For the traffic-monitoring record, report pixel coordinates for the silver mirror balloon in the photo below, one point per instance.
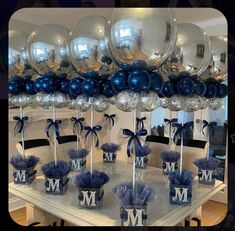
(87, 46)
(47, 49)
(141, 34)
(191, 52)
(17, 54)
(219, 55)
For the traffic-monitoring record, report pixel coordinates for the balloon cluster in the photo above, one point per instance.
(99, 62)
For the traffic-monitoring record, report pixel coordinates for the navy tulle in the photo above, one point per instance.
(170, 156)
(95, 180)
(143, 194)
(110, 147)
(184, 179)
(75, 154)
(212, 163)
(20, 162)
(60, 170)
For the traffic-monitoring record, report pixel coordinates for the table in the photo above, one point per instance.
(160, 212)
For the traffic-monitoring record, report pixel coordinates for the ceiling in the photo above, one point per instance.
(204, 17)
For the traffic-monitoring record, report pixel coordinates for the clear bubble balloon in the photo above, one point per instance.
(47, 49)
(58, 100)
(218, 66)
(215, 103)
(163, 102)
(18, 61)
(147, 34)
(176, 103)
(11, 100)
(191, 53)
(112, 100)
(87, 46)
(22, 100)
(192, 103)
(100, 103)
(72, 104)
(148, 101)
(82, 103)
(127, 100)
(205, 103)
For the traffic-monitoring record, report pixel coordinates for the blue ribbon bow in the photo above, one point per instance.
(134, 137)
(93, 131)
(77, 122)
(19, 127)
(210, 126)
(171, 122)
(140, 123)
(55, 124)
(110, 118)
(181, 128)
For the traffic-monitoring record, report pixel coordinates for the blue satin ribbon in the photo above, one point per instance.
(110, 118)
(19, 127)
(93, 131)
(134, 137)
(140, 123)
(55, 124)
(171, 122)
(210, 126)
(77, 122)
(181, 128)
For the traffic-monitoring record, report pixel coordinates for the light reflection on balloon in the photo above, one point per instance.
(141, 34)
(47, 49)
(191, 53)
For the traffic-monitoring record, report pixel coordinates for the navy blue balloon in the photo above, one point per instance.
(126, 67)
(49, 74)
(156, 82)
(119, 81)
(97, 90)
(211, 90)
(185, 86)
(90, 87)
(222, 90)
(49, 85)
(14, 87)
(15, 78)
(168, 89)
(92, 75)
(139, 81)
(106, 59)
(64, 86)
(29, 87)
(26, 78)
(75, 86)
(107, 89)
(199, 87)
(61, 76)
(184, 74)
(139, 65)
(38, 84)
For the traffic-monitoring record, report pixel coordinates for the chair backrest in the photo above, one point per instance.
(192, 150)
(157, 144)
(65, 144)
(37, 147)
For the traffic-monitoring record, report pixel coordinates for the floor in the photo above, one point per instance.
(212, 213)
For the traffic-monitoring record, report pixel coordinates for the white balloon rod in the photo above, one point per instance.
(170, 131)
(55, 141)
(182, 144)
(77, 131)
(201, 124)
(91, 161)
(208, 137)
(134, 149)
(22, 132)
